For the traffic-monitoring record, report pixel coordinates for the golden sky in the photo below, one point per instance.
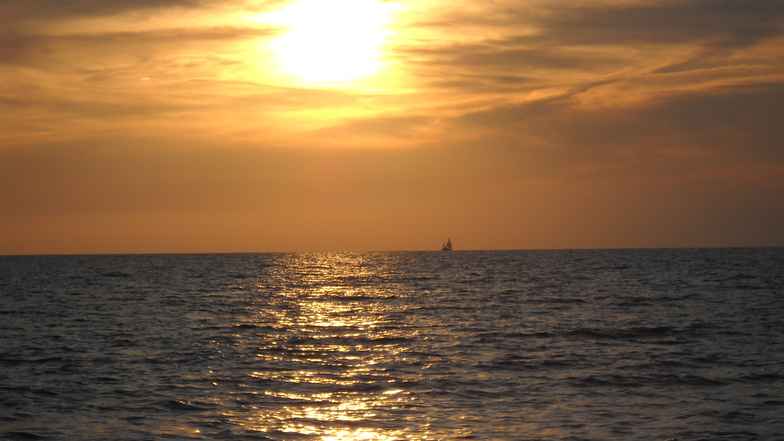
(240, 125)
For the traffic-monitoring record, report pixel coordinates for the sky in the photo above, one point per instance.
(180, 126)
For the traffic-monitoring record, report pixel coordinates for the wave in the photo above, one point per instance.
(184, 405)
(22, 435)
(634, 381)
(620, 334)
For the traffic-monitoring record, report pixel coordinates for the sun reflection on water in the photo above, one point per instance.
(322, 368)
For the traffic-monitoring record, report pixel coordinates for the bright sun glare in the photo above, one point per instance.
(330, 41)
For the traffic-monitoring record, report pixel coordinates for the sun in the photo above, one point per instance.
(330, 41)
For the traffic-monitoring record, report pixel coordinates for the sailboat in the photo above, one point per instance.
(447, 246)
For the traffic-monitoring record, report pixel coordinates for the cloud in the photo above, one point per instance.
(51, 50)
(719, 23)
(551, 43)
(743, 119)
(398, 128)
(674, 156)
(59, 10)
(105, 79)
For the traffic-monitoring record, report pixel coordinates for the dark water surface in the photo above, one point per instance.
(490, 345)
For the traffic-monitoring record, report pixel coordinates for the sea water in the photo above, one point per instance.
(481, 345)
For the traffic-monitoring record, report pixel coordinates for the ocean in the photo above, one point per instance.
(649, 344)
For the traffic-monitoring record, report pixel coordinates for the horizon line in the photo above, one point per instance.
(165, 253)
